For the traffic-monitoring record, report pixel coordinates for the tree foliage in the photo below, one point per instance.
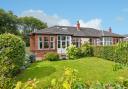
(29, 24)
(8, 22)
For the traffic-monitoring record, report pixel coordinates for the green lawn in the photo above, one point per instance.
(90, 68)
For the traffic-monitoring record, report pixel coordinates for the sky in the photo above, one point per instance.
(99, 14)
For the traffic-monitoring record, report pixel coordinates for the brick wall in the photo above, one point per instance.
(34, 45)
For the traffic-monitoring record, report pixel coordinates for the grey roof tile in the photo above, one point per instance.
(68, 30)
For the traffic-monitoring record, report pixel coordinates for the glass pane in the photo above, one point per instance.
(51, 38)
(46, 45)
(63, 44)
(51, 45)
(67, 43)
(40, 45)
(58, 44)
(63, 37)
(40, 38)
(58, 37)
(45, 38)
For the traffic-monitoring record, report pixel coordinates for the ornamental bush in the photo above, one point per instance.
(12, 54)
(52, 56)
(87, 50)
(73, 52)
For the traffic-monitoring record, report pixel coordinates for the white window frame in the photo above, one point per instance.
(107, 41)
(52, 42)
(40, 41)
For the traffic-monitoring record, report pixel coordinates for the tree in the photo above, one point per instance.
(29, 24)
(8, 22)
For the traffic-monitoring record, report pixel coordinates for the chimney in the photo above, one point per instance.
(78, 26)
(110, 30)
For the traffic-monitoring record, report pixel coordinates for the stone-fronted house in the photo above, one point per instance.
(57, 38)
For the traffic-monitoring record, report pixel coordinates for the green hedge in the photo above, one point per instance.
(106, 52)
(117, 53)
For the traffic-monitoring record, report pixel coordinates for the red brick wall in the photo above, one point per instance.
(32, 42)
(34, 45)
(116, 40)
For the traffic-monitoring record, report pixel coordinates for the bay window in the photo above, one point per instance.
(46, 42)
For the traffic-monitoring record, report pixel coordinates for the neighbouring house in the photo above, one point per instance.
(126, 37)
(57, 38)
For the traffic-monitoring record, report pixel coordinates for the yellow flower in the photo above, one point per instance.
(121, 78)
(68, 72)
(66, 85)
(53, 82)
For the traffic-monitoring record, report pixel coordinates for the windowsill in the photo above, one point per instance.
(47, 49)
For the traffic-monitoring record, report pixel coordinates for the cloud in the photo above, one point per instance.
(120, 18)
(52, 20)
(94, 23)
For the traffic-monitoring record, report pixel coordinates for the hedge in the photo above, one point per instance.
(106, 52)
(117, 53)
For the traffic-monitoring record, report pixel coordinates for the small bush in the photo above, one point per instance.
(31, 84)
(87, 50)
(32, 58)
(73, 52)
(69, 80)
(52, 56)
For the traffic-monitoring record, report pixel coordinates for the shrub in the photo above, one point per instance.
(87, 50)
(52, 56)
(121, 52)
(69, 80)
(6, 83)
(32, 58)
(117, 53)
(73, 52)
(31, 84)
(106, 52)
(12, 51)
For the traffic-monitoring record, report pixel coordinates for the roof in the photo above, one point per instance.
(68, 30)
(126, 35)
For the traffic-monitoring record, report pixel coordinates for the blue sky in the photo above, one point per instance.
(91, 13)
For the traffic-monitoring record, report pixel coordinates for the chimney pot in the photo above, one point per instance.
(78, 25)
(110, 29)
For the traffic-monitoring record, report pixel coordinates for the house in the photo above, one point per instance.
(57, 38)
(126, 37)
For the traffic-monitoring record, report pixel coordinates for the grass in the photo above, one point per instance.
(90, 68)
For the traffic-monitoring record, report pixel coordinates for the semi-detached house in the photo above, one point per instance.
(58, 38)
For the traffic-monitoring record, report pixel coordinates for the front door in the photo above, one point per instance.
(63, 42)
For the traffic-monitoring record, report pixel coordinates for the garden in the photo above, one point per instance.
(100, 67)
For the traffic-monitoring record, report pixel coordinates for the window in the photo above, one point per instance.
(46, 42)
(52, 42)
(59, 41)
(76, 41)
(107, 41)
(40, 45)
(63, 41)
